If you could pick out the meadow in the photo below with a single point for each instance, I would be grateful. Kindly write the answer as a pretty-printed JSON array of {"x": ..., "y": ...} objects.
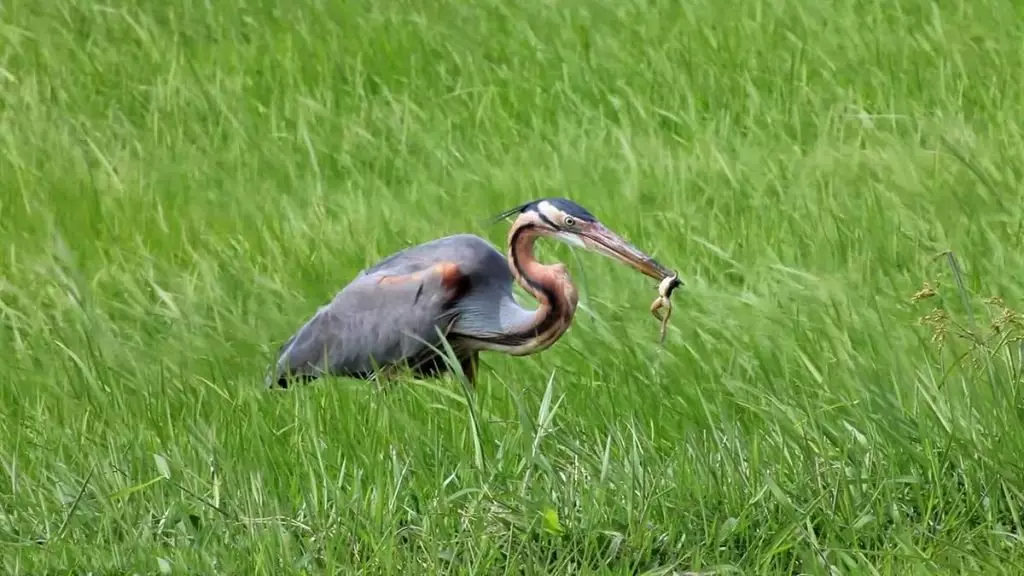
[{"x": 838, "y": 183}]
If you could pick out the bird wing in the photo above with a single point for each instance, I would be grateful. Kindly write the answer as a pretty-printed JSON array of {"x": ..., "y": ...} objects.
[{"x": 384, "y": 316}]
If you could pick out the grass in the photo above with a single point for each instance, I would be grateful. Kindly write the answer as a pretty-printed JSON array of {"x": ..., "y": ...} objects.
[{"x": 182, "y": 184}]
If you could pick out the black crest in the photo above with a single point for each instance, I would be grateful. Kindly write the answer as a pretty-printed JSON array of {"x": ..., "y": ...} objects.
[{"x": 563, "y": 204}]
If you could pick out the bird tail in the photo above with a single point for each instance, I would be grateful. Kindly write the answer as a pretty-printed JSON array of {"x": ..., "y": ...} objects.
[{"x": 278, "y": 375}]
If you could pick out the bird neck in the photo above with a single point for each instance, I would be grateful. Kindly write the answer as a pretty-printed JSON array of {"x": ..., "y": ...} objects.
[{"x": 551, "y": 285}]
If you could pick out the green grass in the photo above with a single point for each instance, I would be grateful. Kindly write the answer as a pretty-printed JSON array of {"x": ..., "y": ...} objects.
[{"x": 182, "y": 184}]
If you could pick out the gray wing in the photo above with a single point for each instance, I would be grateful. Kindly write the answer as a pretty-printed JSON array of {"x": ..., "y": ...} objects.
[{"x": 393, "y": 310}]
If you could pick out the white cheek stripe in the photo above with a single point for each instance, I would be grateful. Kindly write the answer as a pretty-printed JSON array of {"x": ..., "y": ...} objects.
[
  {"x": 552, "y": 213},
  {"x": 571, "y": 239}
]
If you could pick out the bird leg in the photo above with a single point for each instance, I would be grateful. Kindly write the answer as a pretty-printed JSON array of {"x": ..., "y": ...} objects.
[
  {"x": 664, "y": 300},
  {"x": 469, "y": 366},
  {"x": 433, "y": 365}
]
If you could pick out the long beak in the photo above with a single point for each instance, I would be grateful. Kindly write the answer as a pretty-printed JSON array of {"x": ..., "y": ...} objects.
[{"x": 600, "y": 239}]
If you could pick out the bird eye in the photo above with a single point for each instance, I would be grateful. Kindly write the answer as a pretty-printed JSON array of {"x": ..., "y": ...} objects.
[{"x": 569, "y": 221}]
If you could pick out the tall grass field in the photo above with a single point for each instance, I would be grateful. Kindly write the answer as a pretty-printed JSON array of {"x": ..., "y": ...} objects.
[{"x": 839, "y": 184}]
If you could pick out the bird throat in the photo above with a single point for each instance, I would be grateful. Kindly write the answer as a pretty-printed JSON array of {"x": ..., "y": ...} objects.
[{"x": 550, "y": 284}]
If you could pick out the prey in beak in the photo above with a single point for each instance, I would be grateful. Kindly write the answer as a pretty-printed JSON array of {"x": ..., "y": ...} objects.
[{"x": 597, "y": 237}]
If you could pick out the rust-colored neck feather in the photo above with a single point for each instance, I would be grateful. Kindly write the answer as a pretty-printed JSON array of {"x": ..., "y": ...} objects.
[{"x": 551, "y": 285}]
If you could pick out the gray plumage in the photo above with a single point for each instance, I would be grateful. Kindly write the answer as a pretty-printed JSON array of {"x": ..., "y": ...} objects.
[{"x": 369, "y": 324}]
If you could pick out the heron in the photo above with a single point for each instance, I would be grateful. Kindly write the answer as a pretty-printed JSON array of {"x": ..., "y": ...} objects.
[{"x": 459, "y": 288}]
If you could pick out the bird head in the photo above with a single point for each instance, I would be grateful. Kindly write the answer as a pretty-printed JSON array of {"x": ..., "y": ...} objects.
[{"x": 571, "y": 223}]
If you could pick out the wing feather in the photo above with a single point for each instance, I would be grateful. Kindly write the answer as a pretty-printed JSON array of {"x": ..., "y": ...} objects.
[
  {"x": 391, "y": 311},
  {"x": 372, "y": 322}
]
